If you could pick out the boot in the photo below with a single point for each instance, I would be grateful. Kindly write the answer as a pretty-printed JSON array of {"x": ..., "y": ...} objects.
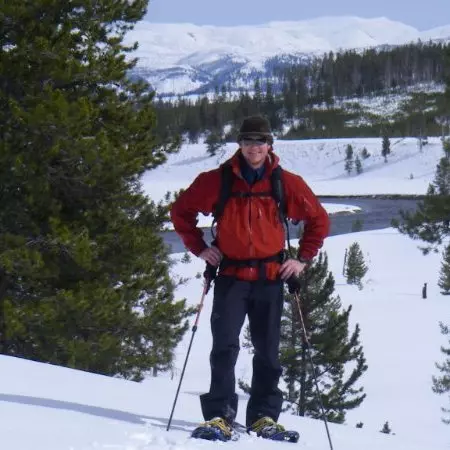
[{"x": 213, "y": 430}]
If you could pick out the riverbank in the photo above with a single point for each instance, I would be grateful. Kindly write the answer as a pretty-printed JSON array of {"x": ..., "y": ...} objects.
[{"x": 417, "y": 197}]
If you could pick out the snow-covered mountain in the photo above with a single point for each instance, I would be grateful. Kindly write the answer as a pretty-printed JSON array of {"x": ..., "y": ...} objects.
[{"x": 186, "y": 58}]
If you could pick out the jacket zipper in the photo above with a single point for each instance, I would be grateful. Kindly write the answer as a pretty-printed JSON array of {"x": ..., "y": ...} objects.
[
  {"x": 252, "y": 250},
  {"x": 250, "y": 224}
]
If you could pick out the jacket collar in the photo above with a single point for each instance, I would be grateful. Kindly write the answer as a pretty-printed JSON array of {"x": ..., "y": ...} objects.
[{"x": 250, "y": 174}]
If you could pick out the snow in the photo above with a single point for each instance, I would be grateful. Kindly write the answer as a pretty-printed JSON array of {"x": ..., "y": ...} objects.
[
  {"x": 188, "y": 48},
  {"x": 321, "y": 163},
  {"x": 45, "y": 407},
  {"x": 166, "y": 45},
  {"x": 387, "y": 105}
]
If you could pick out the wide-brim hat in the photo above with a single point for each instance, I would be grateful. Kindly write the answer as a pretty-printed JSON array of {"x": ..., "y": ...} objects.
[{"x": 254, "y": 127}]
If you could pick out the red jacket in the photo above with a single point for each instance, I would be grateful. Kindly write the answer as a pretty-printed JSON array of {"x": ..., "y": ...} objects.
[{"x": 250, "y": 227}]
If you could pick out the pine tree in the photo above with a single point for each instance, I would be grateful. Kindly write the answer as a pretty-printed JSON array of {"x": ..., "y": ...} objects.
[
  {"x": 84, "y": 274},
  {"x": 358, "y": 165},
  {"x": 270, "y": 108},
  {"x": 258, "y": 97},
  {"x": 364, "y": 153},
  {"x": 349, "y": 159},
  {"x": 214, "y": 142},
  {"x": 441, "y": 385},
  {"x": 386, "y": 147},
  {"x": 192, "y": 127},
  {"x": 446, "y": 148},
  {"x": 289, "y": 100},
  {"x": 356, "y": 266},
  {"x": 336, "y": 352},
  {"x": 444, "y": 279},
  {"x": 430, "y": 223},
  {"x": 186, "y": 259}
]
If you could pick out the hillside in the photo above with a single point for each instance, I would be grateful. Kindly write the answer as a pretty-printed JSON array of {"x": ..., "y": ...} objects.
[
  {"x": 45, "y": 407},
  {"x": 321, "y": 163},
  {"x": 180, "y": 58}
]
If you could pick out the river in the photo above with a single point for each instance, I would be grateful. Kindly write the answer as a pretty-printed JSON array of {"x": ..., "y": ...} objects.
[{"x": 375, "y": 213}]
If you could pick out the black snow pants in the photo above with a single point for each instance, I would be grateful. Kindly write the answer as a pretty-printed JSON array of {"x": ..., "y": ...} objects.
[{"x": 262, "y": 301}]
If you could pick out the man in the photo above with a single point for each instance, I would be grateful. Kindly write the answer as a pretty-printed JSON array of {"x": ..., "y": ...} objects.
[{"x": 249, "y": 251}]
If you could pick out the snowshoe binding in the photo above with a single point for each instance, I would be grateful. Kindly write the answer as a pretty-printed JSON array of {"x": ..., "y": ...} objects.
[
  {"x": 267, "y": 428},
  {"x": 217, "y": 429}
]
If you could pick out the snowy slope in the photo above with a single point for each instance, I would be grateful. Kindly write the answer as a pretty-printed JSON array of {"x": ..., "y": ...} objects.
[
  {"x": 165, "y": 45},
  {"x": 321, "y": 163},
  {"x": 45, "y": 407}
]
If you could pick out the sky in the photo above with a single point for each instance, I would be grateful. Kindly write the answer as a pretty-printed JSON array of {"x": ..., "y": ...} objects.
[
  {"x": 423, "y": 16},
  {"x": 45, "y": 407}
]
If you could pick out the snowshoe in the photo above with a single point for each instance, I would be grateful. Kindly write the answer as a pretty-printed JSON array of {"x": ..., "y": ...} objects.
[
  {"x": 267, "y": 428},
  {"x": 216, "y": 429}
]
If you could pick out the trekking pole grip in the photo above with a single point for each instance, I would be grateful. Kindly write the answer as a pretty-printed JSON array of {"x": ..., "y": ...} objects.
[
  {"x": 209, "y": 274},
  {"x": 293, "y": 284}
]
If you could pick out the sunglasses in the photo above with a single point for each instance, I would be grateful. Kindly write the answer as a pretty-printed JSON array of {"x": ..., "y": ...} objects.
[{"x": 255, "y": 142}]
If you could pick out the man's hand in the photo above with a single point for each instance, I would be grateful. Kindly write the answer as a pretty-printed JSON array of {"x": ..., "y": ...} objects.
[
  {"x": 291, "y": 267},
  {"x": 211, "y": 255}
]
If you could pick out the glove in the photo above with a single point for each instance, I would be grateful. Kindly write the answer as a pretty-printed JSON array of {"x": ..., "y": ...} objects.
[
  {"x": 210, "y": 272},
  {"x": 293, "y": 284}
]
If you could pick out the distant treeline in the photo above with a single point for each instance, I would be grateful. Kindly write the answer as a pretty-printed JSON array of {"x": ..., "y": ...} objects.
[{"x": 305, "y": 99}]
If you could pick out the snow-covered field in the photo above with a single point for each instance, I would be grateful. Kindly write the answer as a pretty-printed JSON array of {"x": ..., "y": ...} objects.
[
  {"x": 43, "y": 407},
  {"x": 321, "y": 163}
]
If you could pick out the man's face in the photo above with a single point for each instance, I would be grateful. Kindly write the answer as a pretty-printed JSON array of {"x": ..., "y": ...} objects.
[{"x": 255, "y": 151}]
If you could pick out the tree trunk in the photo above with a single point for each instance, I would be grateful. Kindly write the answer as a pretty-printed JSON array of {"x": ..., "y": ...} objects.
[{"x": 3, "y": 286}]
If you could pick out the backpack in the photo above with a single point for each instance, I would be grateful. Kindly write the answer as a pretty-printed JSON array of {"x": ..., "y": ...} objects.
[{"x": 277, "y": 193}]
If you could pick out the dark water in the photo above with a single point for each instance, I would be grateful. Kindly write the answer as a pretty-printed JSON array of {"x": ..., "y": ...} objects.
[{"x": 376, "y": 213}]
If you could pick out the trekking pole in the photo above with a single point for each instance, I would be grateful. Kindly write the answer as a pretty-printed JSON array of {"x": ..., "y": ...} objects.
[
  {"x": 294, "y": 285},
  {"x": 209, "y": 275}
]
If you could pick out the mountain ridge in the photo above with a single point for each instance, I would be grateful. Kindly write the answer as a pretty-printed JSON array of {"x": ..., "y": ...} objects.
[{"x": 189, "y": 59}]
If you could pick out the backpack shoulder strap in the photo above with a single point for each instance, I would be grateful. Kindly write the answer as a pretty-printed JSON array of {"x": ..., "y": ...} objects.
[
  {"x": 278, "y": 193},
  {"x": 226, "y": 186}
]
